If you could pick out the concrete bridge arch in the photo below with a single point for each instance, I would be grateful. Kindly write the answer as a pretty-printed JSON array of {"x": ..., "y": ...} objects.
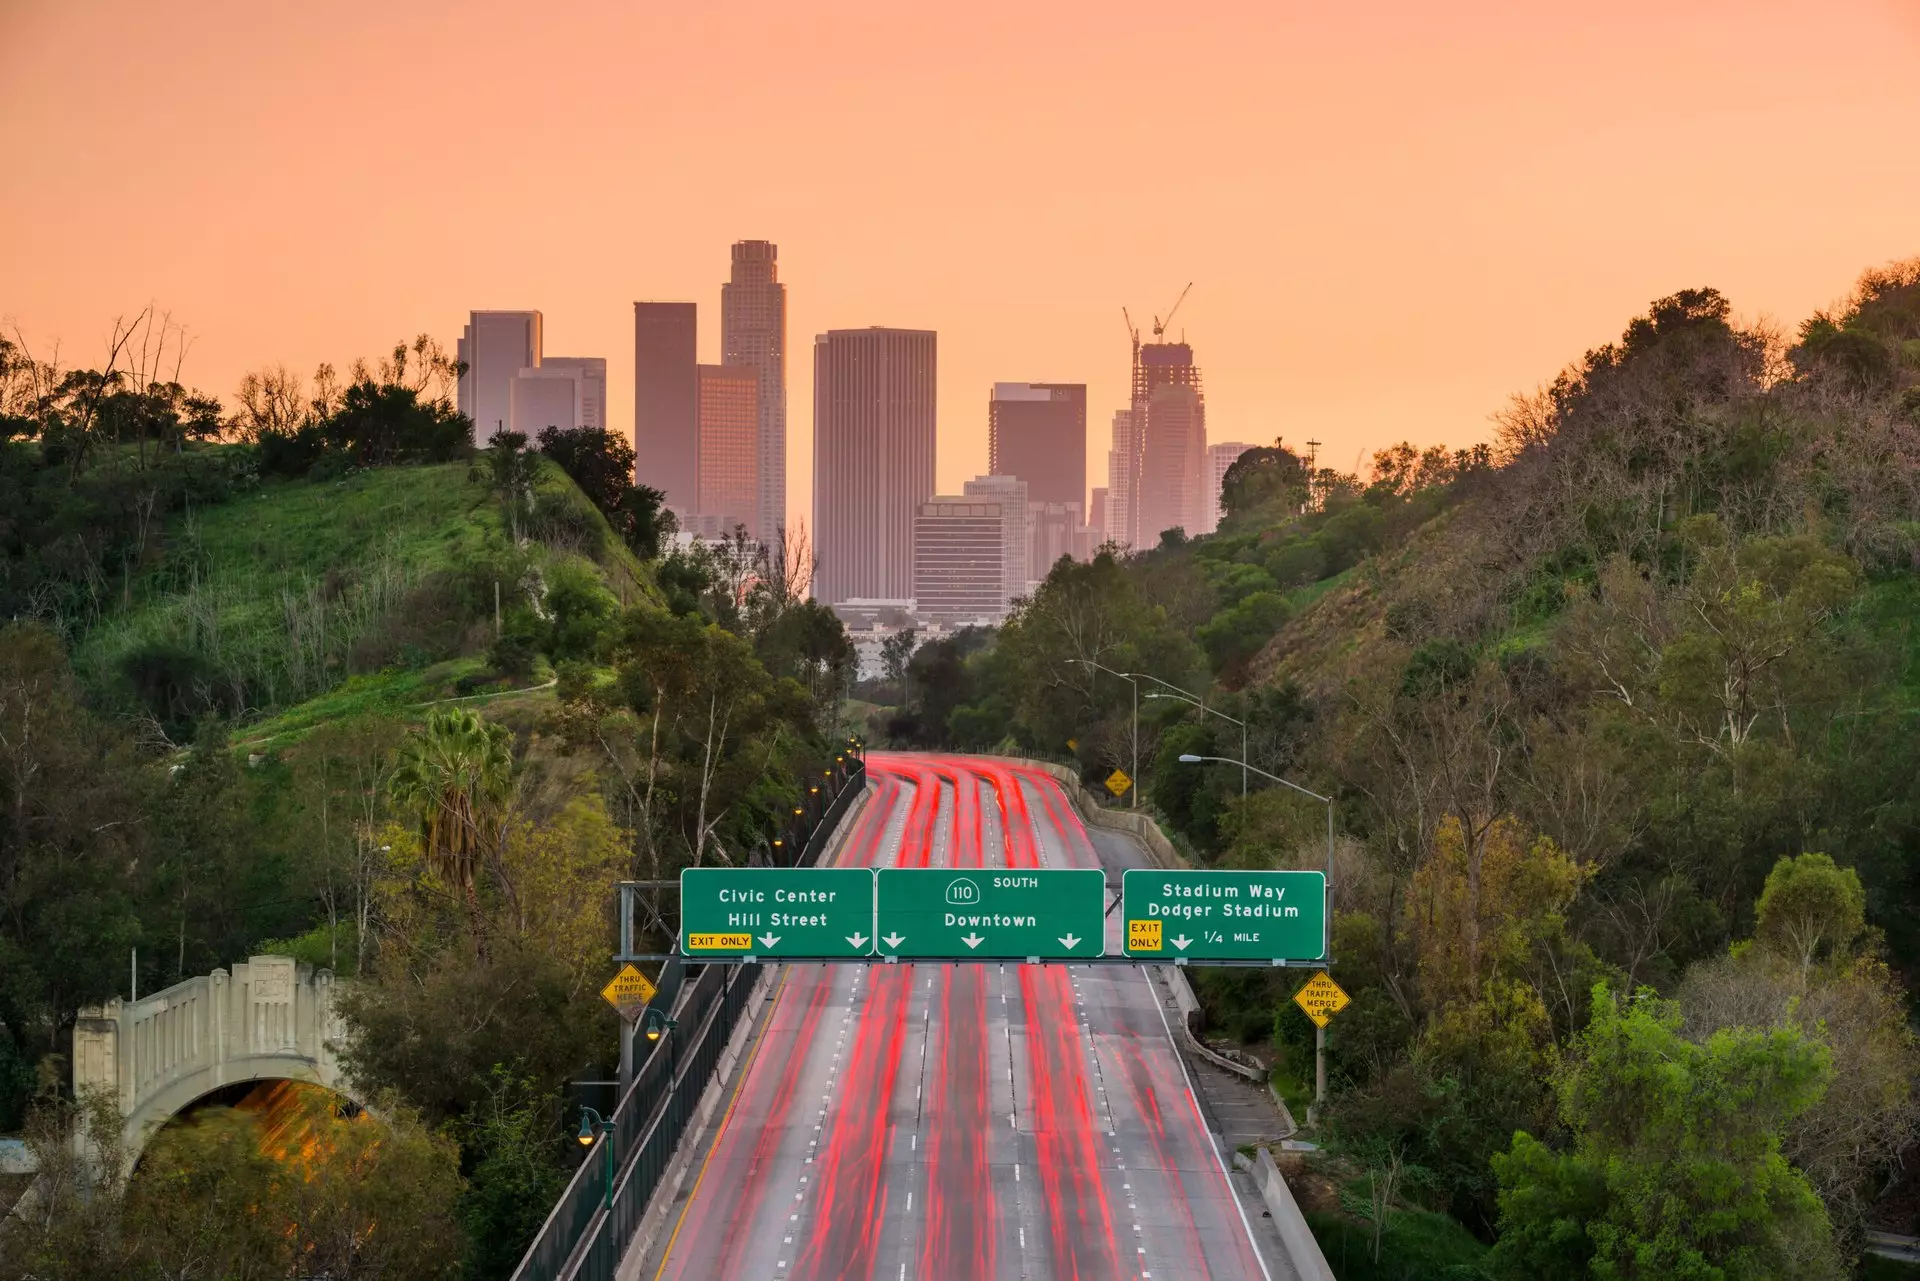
[{"x": 270, "y": 1018}]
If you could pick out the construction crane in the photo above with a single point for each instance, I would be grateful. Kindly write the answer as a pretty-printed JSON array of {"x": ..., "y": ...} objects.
[
  {"x": 1133, "y": 332},
  {"x": 1159, "y": 325}
]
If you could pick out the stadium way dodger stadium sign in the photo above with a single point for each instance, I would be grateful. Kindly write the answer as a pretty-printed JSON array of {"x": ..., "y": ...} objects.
[
  {"x": 1224, "y": 916},
  {"x": 730, "y": 912}
]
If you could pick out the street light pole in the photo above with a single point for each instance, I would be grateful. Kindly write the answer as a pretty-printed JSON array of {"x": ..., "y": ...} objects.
[
  {"x": 594, "y": 1126},
  {"x": 1129, "y": 677},
  {"x": 1185, "y": 697},
  {"x": 1326, "y": 941}
]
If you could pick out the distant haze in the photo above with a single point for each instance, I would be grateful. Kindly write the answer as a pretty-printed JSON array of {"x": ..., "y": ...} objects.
[{"x": 1395, "y": 215}]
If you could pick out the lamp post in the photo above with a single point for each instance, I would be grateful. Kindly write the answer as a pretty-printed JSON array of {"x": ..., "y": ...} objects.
[
  {"x": 1185, "y": 697},
  {"x": 1326, "y": 942},
  {"x": 1128, "y": 677},
  {"x": 593, "y": 1127}
]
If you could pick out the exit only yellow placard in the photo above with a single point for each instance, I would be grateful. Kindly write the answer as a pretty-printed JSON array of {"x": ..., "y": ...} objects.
[
  {"x": 1144, "y": 936},
  {"x": 720, "y": 942}
]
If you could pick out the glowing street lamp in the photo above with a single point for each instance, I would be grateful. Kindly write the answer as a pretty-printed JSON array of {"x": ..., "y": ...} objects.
[{"x": 594, "y": 1126}]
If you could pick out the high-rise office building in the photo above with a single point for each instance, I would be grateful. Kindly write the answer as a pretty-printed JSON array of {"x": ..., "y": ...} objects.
[
  {"x": 1097, "y": 515},
  {"x": 729, "y": 453},
  {"x": 591, "y": 373},
  {"x": 1173, "y": 462},
  {"x": 542, "y": 398},
  {"x": 1219, "y": 458},
  {"x": 753, "y": 332},
  {"x": 1054, "y": 530},
  {"x": 873, "y": 451},
  {"x": 1123, "y": 475},
  {"x": 495, "y": 347},
  {"x": 666, "y": 401},
  {"x": 1169, "y": 442},
  {"x": 1038, "y": 432},
  {"x": 959, "y": 560},
  {"x": 1017, "y": 550}
]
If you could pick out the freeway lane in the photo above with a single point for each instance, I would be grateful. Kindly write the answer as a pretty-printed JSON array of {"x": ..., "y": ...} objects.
[{"x": 955, "y": 1121}]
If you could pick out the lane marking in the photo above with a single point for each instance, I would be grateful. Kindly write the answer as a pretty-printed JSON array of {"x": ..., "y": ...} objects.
[
  {"x": 1252, "y": 1241},
  {"x": 746, "y": 1070}
]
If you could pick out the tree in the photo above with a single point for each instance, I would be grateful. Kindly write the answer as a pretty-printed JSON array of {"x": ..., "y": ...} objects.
[
  {"x": 510, "y": 1138},
  {"x": 895, "y": 650},
  {"x": 1810, "y": 907},
  {"x": 1675, "y": 1167},
  {"x": 454, "y": 778},
  {"x": 1847, "y": 1001},
  {"x": 1270, "y": 477},
  {"x": 1471, "y": 930},
  {"x": 644, "y": 522},
  {"x": 600, "y": 462},
  {"x": 71, "y": 833},
  {"x": 293, "y": 1186}
]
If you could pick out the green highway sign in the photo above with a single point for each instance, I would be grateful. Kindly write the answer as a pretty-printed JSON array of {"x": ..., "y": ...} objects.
[
  {"x": 730, "y": 912},
  {"x": 1224, "y": 916},
  {"x": 1057, "y": 913}
]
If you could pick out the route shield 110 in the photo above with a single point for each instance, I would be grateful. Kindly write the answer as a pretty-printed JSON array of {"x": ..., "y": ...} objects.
[
  {"x": 730, "y": 912},
  {"x": 1225, "y": 916},
  {"x": 996, "y": 912}
]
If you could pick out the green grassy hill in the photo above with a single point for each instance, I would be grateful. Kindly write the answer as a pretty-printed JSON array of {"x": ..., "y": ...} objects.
[{"x": 309, "y": 599}]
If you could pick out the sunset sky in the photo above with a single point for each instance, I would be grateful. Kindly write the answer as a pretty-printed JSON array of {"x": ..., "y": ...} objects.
[{"x": 1394, "y": 215}]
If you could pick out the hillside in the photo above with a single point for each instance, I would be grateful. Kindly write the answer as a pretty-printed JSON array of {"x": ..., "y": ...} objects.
[
  {"x": 305, "y": 599},
  {"x": 1620, "y": 716}
]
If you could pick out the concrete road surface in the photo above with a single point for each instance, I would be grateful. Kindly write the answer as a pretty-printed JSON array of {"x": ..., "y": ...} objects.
[{"x": 936, "y": 1121}]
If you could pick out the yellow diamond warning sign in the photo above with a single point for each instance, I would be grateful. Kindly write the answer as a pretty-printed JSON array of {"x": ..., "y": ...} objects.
[
  {"x": 1118, "y": 782},
  {"x": 1144, "y": 936},
  {"x": 1321, "y": 998},
  {"x": 629, "y": 992}
]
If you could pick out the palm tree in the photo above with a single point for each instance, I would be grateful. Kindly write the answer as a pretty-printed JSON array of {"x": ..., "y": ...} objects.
[{"x": 456, "y": 776}]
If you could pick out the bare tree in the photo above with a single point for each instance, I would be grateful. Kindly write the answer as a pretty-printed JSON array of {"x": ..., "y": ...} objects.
[{"x": 270, "y": 400}]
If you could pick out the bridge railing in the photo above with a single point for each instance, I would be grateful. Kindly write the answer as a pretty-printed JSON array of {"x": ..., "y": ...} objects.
[{"x": 582, "y": 1240}]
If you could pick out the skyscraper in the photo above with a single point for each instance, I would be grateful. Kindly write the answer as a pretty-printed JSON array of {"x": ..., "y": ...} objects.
[
  {"x": 1097, "y": 515},
  {"x": 495, "y": 346},
  {"x": 591, "y": 373},
  {"x": 1038, "y": 432},
  {"x": 729, "y": 450},
  {"x": 1123, "y": 474},
  {"x": 1170, "y": 443},
  {"x": 753, "y": 332},
  {"x": 873, "y": 451},
  {"x": 1219, "y": 458},
  {"x": 958, "y": 560},
  {"x": 1054, "y": 530},
  {"x": 542, "y": 398},
  {"x": 1017, "y": 535},
  {"x": 1173, "y": 460},
  {"x": 666, "y": 402}
]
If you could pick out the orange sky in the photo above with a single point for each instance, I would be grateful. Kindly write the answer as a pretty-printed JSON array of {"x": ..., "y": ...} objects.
[{"x": 1394, "y": 214}]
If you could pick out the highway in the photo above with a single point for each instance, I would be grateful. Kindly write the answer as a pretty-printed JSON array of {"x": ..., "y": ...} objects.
[{"x": 941, "y": 1121}]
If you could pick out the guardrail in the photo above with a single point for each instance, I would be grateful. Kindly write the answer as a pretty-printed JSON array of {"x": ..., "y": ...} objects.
[{"x": 584, "y": 1236}]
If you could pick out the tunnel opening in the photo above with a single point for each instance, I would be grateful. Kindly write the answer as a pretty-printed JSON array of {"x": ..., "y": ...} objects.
[{"x": 285, "y": 1119}]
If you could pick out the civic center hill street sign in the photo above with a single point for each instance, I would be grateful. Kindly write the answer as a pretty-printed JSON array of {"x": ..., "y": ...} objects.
[
  {"x": 730, "y": 912},
  {"x": 1225, "y": 916},
  {"x": 1056, "y": 913}
]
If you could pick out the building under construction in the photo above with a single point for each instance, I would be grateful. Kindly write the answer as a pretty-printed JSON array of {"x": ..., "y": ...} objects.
[{"x": 1157, "y": 469}]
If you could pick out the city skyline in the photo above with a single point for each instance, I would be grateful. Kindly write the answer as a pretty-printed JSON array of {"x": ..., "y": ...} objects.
[{"x": 1306, "y": 136}]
